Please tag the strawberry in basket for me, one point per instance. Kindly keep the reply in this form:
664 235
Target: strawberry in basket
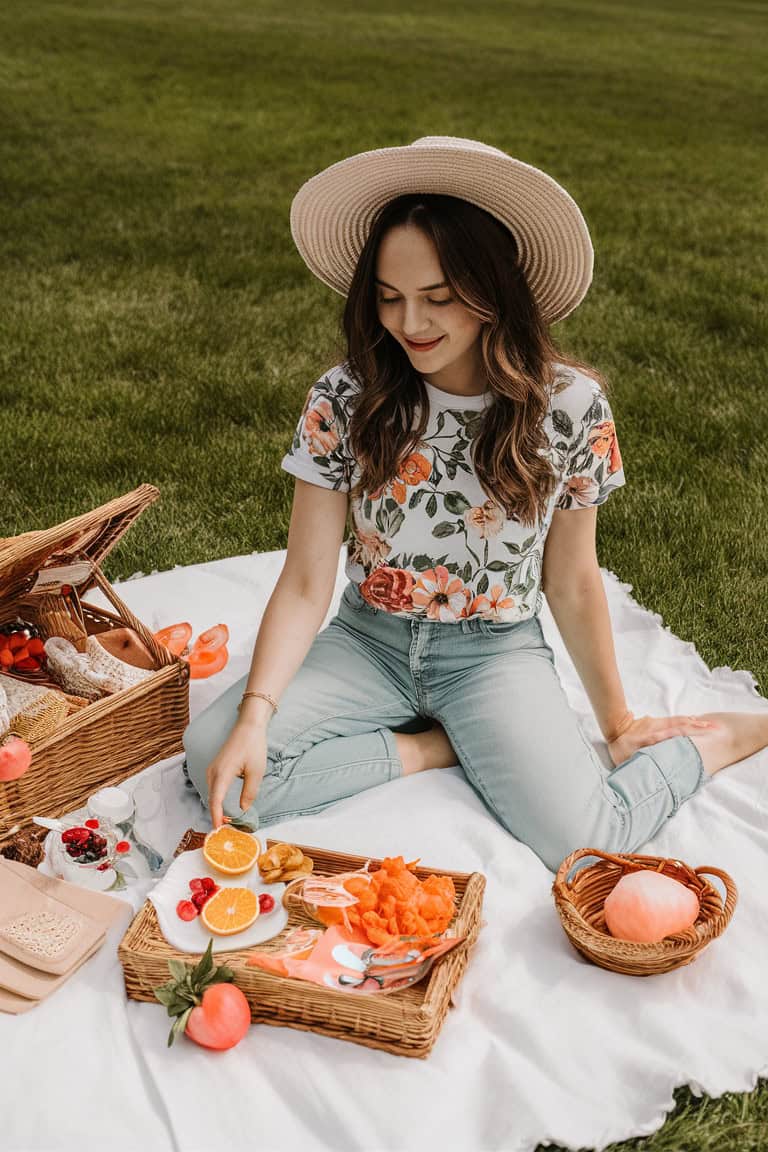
21 648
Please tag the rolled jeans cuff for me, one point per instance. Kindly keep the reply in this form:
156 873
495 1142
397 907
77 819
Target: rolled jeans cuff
683 774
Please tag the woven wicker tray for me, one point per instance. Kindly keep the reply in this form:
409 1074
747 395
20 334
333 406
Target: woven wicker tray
405 1022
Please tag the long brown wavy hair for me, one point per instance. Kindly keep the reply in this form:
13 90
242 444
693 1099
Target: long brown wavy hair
479 259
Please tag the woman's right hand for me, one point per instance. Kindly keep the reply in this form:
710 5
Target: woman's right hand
243 754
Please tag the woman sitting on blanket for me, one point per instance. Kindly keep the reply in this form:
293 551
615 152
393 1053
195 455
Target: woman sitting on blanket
471 457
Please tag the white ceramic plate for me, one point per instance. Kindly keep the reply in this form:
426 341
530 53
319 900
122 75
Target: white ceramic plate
192 935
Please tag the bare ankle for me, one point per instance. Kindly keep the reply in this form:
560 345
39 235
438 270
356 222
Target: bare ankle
420 751
409 753
738 735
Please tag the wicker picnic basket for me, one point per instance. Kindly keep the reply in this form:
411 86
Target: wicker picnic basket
406 1022
579 902
97 742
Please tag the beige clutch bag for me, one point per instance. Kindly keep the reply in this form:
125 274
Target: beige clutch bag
48 928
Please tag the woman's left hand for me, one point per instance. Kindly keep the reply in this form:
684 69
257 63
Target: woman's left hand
645 730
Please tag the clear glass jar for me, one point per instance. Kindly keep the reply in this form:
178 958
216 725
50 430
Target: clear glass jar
98 874
125 811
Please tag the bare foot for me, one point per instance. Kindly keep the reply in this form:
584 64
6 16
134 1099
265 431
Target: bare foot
420 751
738 735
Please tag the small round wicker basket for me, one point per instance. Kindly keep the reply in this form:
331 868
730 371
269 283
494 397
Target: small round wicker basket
579 902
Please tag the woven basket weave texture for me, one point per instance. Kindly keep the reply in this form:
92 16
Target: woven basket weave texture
405 1023
110 739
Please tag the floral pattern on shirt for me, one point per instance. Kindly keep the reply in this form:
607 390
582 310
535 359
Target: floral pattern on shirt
489 565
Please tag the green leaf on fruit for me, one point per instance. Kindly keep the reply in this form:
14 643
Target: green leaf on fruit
186 988
165 994
205 964
222 975
178 969
179 1025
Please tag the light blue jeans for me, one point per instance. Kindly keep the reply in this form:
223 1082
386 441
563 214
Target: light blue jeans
494 689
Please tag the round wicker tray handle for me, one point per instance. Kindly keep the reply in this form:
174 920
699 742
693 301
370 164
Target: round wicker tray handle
731 896
563 886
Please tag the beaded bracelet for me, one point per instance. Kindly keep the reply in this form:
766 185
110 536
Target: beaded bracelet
263 695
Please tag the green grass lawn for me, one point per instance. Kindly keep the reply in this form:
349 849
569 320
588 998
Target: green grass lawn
159 326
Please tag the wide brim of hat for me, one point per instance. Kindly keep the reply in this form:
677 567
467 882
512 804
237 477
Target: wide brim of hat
332 213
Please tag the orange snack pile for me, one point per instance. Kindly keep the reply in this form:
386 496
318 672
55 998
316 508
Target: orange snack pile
392 902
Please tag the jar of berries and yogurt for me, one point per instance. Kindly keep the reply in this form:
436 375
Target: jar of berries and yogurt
84 853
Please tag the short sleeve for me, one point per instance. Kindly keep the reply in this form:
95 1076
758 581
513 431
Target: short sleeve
319 451
586 442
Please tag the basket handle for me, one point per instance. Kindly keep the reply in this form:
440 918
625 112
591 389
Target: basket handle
161 654
731 894
563 884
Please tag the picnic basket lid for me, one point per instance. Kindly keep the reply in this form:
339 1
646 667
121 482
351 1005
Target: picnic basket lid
90 537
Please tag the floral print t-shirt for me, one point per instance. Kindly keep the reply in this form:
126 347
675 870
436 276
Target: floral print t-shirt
431 544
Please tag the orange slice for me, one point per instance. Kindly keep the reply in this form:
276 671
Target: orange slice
231 851
230 910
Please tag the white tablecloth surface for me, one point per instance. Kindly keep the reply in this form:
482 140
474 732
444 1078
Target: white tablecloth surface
542 1046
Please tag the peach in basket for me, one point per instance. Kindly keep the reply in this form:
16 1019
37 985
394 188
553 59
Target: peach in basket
647 906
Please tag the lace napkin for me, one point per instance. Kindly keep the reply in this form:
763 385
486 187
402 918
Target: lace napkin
91 673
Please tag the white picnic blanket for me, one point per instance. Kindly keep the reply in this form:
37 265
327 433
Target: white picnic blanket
542 1046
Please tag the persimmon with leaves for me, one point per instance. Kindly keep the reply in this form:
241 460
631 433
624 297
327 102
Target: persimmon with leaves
209 1008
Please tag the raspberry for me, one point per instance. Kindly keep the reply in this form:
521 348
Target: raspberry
197 885
186 910
199 898
27 664
266 902
209 885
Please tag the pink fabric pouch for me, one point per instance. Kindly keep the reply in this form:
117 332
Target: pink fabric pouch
344 959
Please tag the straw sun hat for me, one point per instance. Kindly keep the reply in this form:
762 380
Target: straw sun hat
332 212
